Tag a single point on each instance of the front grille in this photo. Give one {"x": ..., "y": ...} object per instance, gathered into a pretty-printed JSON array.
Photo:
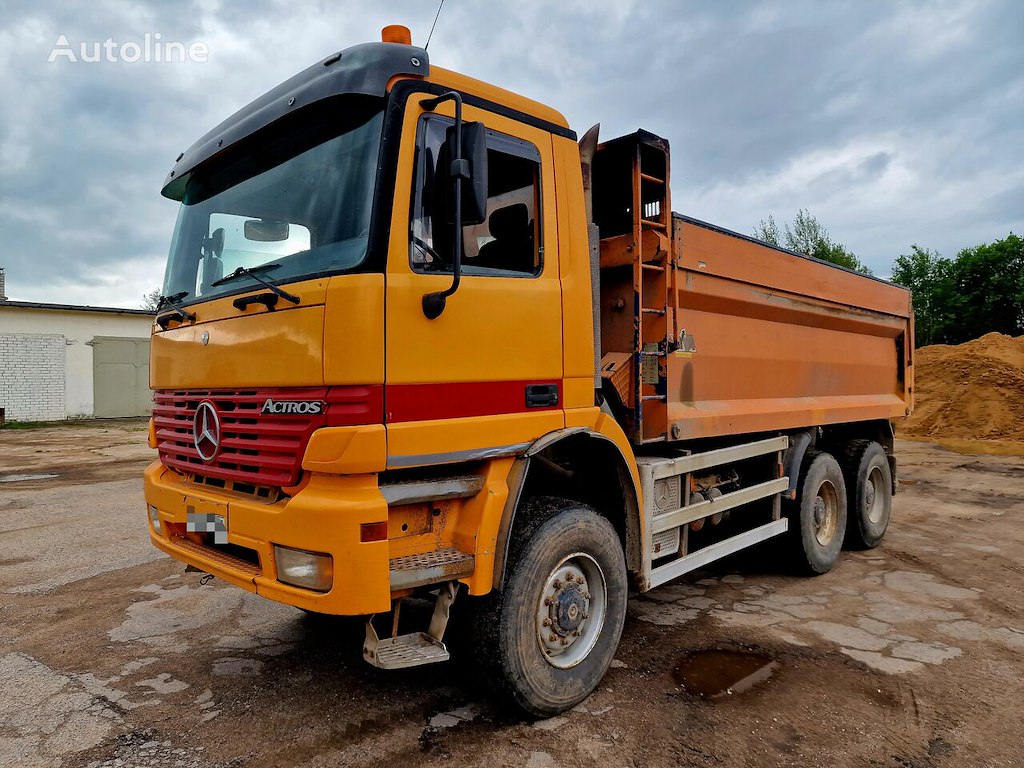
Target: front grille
[
  {"x": 263, "y": 450},
  {"x": 247, "y": 489}
]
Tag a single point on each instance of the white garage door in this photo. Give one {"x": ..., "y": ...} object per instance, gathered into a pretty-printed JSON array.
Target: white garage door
[{"x": 120, "y": 377}]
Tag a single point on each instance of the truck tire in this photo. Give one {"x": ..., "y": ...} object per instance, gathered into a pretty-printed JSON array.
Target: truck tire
[
  {"x": 817, "y": 520},
  {"x": 869, "y": 490},
  {"x": 545, "y": 641}
]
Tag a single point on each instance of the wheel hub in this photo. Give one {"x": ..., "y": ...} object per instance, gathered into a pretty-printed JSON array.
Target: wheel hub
[
  {"x": 874, "y": 496},
  {"x": 826, "y": 514},
  {"x": 569, "y": 610},
  {"x": 569, "y": 617},
  {"x": 819, "y": 511}
]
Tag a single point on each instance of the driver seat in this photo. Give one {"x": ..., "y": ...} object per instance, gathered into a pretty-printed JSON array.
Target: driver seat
[{"x": 512, "y": 247}]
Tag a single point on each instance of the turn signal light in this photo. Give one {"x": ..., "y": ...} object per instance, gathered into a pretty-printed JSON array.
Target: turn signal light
[
  {"x": 396, "y": 33},
  {"x": 373, "y": 531}
]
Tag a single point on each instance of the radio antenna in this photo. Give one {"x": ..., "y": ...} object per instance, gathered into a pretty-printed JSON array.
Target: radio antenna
[{"x": 439, "y": 7}]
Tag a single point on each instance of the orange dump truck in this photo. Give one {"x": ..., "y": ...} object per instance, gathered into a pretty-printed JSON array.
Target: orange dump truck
[{"x": 417, "y": 340}]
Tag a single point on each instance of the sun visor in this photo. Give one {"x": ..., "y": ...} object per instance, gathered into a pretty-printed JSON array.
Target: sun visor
[{"x": 362, "y": 69}]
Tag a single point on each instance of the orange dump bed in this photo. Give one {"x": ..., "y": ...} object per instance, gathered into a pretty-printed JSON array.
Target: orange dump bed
[{"x": 780, "y": 341}]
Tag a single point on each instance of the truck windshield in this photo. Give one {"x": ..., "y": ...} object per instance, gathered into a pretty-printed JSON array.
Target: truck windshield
[{"x": 298, "y": 201}]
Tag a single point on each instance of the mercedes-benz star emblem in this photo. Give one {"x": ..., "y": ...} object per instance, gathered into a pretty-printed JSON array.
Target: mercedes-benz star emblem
[{"x": 206, "y": 431}]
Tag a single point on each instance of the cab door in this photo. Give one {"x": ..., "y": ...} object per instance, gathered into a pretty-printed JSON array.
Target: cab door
[{"x": 485, "y": 378}]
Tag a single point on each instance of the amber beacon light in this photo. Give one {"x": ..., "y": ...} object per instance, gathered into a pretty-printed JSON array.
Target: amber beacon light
[{"x": 396, "y": 33}]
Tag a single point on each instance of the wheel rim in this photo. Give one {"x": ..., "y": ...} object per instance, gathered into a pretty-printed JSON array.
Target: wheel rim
[
  {"x": 571, "y": 610},
  {"x": 874, "y": 496},
  {"x": 826, "y": 514}
]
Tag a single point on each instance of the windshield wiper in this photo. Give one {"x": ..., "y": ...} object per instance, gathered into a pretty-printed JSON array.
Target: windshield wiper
[
  {"x": 172, "y": 302},
  {"x": 243, "y": 272},
  {"x": 253, "y": 273}
]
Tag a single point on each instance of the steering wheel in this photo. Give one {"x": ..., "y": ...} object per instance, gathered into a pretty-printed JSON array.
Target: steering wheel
[{"x": 437, "y": 262}]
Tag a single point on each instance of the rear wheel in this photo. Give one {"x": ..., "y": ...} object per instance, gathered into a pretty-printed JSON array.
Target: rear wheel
[
  {"x": 817, "y": 520},
  {"x": 548, "y": 637},
  {"x": 869, "y": 489}
]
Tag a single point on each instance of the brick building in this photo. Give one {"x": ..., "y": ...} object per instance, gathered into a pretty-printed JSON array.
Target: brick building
[{"x": 60, "y": 361}]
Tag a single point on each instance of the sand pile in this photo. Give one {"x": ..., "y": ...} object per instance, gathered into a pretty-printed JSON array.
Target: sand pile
[{"x": 972, "y": 391}]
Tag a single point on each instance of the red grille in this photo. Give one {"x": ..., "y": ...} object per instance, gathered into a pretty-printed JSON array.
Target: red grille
[{"x": 257, "y": 448}]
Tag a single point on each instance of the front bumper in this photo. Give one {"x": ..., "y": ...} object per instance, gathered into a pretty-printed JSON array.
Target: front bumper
[{"x": 324, "y": 516}]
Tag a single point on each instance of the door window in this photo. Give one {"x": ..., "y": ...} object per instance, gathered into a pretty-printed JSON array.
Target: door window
[{"x": 508, "y": 243}]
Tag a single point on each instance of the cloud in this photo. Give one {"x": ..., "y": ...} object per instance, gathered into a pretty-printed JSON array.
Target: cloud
[{"x": 893, "y": 124}]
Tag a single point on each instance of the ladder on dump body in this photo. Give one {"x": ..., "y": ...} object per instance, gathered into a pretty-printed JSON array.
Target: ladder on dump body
[{"x": 653, "y": 287}]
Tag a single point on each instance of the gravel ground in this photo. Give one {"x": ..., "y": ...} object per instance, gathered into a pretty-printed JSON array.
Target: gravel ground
[{"x": 910, "y": 655}]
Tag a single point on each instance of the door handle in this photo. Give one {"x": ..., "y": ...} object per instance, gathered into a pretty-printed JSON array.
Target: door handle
[{"x": 541, "y": 395}]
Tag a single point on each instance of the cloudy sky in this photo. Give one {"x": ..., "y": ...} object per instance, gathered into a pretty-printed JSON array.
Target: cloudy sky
[{"x": 893, "y": 122}]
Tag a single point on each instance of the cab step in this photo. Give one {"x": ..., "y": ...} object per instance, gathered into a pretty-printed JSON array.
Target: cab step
[
  {"x": 429, "y": 568},
  {"x": 416, "y": 648},
  {"x": 404, "y": 651}
]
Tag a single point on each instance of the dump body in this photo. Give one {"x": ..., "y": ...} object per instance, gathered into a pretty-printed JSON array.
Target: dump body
[
  {"x": 709, "y": 333},
  {"x": 780, "y": 341}
]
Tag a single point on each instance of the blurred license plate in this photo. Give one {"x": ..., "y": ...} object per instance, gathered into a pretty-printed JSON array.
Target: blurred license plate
[{"x": 207, "y": 517}]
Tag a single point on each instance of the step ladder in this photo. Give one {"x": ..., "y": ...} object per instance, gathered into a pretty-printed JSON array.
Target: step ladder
[
  {"x": 416, "y": 648},
  {"x": 653, "y": 286}
]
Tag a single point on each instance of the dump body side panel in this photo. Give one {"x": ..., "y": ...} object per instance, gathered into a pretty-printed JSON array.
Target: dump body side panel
[{"x": 780, "y": 341}]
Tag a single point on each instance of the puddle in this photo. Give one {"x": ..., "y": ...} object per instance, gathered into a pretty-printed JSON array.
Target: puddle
[
  {"x": 22, "y": 478},
  {"x": 713, "y": 674}
]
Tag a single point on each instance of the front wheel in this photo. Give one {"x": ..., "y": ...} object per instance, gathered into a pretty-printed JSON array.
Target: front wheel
[{"x": 548, "y": 637}]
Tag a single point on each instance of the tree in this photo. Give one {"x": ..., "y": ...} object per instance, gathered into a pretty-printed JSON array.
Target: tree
[
  {"x": 978, "y": 292},
  {"x": 808, "y": 236},
  {"x": 990, "y": 287},
  {"x": 769, "y": 232},
  {"x": 930, "y": 279},
  {"x": 151, "y": 299}
]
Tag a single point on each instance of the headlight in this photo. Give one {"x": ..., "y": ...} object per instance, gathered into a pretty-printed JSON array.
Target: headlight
[
  {"x": 310, "y": 570},
  {"x": 154, "y": 517}
]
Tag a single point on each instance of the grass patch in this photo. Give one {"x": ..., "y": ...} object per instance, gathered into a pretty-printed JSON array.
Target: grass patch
[{"x": 27, "y": 424}]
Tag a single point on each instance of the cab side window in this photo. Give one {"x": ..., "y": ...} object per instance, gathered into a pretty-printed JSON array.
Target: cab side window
[{"x": 508, "y": 243}]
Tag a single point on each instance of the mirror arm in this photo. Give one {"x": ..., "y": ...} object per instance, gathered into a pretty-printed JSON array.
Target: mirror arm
[{"x": 433, "y": 303}]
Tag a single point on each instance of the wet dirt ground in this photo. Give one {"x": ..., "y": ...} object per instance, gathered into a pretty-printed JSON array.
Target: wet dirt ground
[{"x": 910, "y": 655}]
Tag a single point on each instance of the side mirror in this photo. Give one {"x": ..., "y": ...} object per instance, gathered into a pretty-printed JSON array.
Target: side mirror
[
  {"x": 211, "y": 264},
  {"x": 474, "y": 188},
  {"x": 213, "y": 270},
  {"x": 214, "y": 244},
  {"x": 466, "y": 145}
]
